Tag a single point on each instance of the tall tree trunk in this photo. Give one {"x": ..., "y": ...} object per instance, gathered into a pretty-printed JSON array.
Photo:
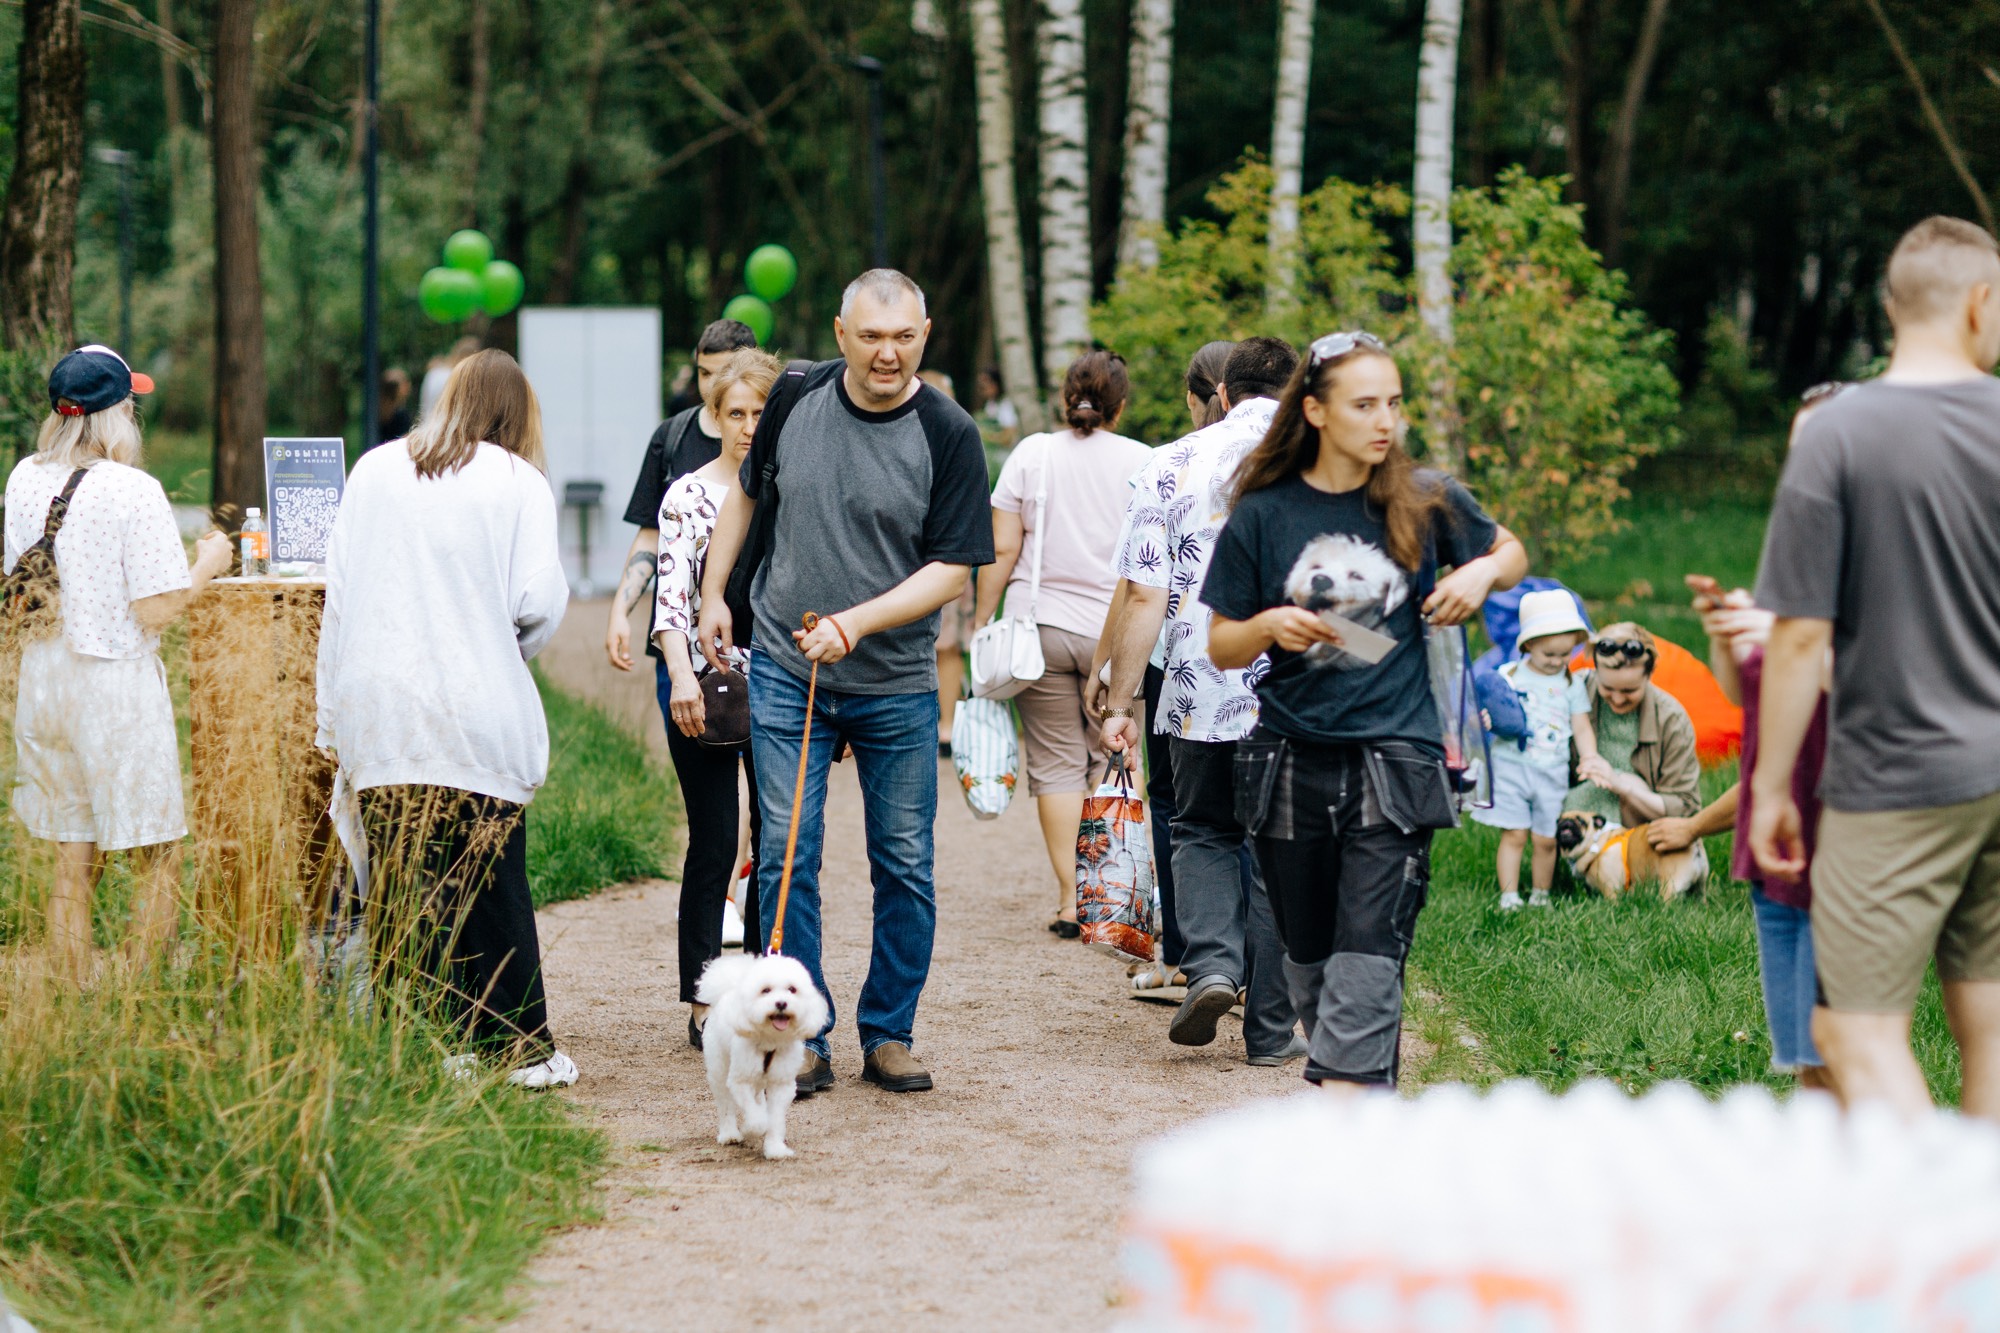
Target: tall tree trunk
[
  {"x": 38, "y": 219},
  {"x": 239, "y": 283},
  {"x": 1288, "y": 151},
  {"x": 1931, "y": 116},
  {"x": 1430, "y": 213},
  {"x": 1486, "y": 33},
  {"x": 170, "y": 71},
  {"x": 1575, "y": 42},
  {"x": 1148, "y": 108},
  {"x": 1005, "y": 283},
  {"x": 1626, "y": 133},
  {"x": 1065, "y": 190},
  {"x": 479, "y": 98},
  {"x": 576, "y": 181}
]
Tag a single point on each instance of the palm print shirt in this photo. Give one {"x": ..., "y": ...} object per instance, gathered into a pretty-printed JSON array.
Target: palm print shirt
[
  {"x": 1179, "y": 502},
  {"x": 687, "y": 517}
]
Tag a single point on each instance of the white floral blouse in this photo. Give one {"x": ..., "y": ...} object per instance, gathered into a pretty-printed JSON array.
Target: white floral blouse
[{"x": 687, "y": 517}]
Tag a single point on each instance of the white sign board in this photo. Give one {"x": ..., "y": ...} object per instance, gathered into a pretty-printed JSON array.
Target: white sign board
[{"x": 596, "y": 370}]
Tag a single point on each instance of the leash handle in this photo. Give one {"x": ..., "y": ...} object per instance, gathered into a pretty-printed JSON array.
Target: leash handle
[{"x": 811, "y": 622}]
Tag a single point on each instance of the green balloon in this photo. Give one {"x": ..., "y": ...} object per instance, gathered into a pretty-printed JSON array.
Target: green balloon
[
  {"x": 500, "y": 288},
  {"x": 771, "y": 272},
  {"x": 448, "y": 295},
  {"x": 754, "y": 311},
  {"x": 469, "y": 251}
]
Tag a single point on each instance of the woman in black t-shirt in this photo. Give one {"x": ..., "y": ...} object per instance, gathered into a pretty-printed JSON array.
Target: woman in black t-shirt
[{"x": 1329, "y": 564}]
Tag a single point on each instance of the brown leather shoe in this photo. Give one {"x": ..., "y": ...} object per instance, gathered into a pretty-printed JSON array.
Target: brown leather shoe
[
  {"x": 895, "y": 1069},
  {"x": 817, "y": 1076}
]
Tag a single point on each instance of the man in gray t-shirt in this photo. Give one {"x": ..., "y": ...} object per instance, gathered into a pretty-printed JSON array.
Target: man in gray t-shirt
[
  {"x": 1883, "y": 547},
  {"x": 880, "y": 483}
]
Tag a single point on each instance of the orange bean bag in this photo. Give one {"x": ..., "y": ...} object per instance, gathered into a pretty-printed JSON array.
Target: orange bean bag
[{"x": 1718, "y": 723}]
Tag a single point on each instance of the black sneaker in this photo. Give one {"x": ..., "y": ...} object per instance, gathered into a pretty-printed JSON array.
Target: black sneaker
[
  {"x": 817, "y": 1076},
  {"x": 1207, "y": 1001}
]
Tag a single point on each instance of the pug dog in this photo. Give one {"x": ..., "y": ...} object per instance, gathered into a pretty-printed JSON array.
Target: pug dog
[{"x": 1612, "y": 858}]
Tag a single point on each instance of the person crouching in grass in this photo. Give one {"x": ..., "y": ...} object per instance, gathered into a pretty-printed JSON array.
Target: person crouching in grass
[
  {"x": 99, "y": 760},
  {"x": 1530, "y": 781}
]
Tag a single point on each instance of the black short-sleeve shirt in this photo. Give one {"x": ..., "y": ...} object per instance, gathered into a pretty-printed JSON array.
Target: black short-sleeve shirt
[{"x": 1292, "y": 544}]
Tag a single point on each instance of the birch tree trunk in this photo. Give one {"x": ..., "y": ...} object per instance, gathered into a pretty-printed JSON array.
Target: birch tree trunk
[
  {"x": 239, "y": 282},
  {"x": 1430, "y": 213},
  {"x": 38, "y": 220},
  {"x": 1148, "y": 109},
  {"x": 1065, "y": 190},
  {"x": 1288, "y": 151},
  {"x": 1005, "y": 281}
]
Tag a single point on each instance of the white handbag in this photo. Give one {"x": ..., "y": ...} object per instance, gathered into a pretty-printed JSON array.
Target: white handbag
[
  {"x": 985, "y": 755},
  {"x": 1007, "y": 654}
]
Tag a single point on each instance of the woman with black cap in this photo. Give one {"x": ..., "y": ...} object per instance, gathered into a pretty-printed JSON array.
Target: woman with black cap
[{"x": 96, "y": 570}]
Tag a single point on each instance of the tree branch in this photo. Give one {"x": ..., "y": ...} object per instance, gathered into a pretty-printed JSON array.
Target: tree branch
[{"x": 1931, "y": 116}]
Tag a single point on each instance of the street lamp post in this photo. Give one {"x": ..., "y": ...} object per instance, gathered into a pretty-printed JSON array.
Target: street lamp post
[
  {"x": 122, "y": 160},
  {"x": 371, "y": 333},
  {"x": 878, "y": 179}
]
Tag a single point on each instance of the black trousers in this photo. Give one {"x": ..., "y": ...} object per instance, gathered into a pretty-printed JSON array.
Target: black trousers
[
  {"x": 1160, "y": 797},
  {"x": 1343, "y": 833},
  {"x": 708, "y": 792},
  {"x": 449, "y": 914}
]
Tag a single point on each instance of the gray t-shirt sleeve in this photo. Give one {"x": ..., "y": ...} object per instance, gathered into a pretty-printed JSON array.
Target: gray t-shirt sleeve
[{"x": 1805, "y": 545}]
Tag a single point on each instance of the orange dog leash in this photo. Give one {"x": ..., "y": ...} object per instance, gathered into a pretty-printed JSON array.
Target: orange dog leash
[{"x": 811, "y": 622}]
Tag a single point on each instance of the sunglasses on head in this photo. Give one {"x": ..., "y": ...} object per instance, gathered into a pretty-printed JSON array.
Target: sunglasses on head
[
  {"x": 1332, "y": 345},
  {"x": 1626, "y": 650}
]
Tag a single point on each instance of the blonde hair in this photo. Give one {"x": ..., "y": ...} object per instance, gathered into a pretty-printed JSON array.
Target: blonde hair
[
  {"x": 1936, "y": 264},
  {"x": 74, "y": 442},
  {"x": 747, "y": 365},
  {"x": 487, "y": 400}
]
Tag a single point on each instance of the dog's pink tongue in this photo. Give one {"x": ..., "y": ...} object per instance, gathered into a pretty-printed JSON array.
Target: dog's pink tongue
[{"x": 781, "y": 1021}]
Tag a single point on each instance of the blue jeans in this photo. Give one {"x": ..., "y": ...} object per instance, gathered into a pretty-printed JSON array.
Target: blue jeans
[
  {"x": 1791, "y": 983},
  {"x": 894, "y": 740}
]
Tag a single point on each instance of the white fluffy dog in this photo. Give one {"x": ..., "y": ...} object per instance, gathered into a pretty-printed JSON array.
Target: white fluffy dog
[
  {"x": 761, "y": 1011},
  {"x": 1348, "y": 577}
]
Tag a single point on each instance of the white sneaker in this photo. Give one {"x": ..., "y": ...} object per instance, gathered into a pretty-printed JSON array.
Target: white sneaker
[
  {"x": 558, "y": 1071},
  {"x": 1510, "y": 902},
  {"x": 461, "y": 1067},
  {"x": 1538, "y": 898},
  {"x": 732, "y": 925}
]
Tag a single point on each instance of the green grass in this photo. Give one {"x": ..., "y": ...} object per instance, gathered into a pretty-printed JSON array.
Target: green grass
[
  {"x": 1638, "y": 991},
  {"x": 608, "y": 814},
  {"x": 183, "y": 462}
]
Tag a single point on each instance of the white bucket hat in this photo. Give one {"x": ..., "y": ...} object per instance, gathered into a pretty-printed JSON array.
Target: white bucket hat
[{"x": 1550, "y": 611}]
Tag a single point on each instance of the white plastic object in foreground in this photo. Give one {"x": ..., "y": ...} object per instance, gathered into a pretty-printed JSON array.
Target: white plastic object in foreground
[{"x": 1588, "y": 1213}]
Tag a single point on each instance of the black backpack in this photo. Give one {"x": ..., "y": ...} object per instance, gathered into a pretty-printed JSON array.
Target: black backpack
[
  {"x": 30, "y": 590},
  {"x": 757, "y": 541}
]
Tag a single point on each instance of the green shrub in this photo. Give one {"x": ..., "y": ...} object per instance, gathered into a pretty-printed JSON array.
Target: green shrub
[
  {"x": 608, "y": 812},
  {"x": 1561, "y": 387}
]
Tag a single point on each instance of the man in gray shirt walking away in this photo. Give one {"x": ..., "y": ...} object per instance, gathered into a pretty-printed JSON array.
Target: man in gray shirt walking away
[
  {"x": 881, "y": 483},
  {"x": 1882, "y": 546}
]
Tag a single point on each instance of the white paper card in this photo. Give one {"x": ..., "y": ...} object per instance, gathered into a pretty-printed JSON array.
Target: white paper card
[{"x": 1364, "y": 643}]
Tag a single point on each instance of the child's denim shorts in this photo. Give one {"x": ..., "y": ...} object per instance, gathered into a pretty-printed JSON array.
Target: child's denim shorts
[
  {"x": 1785, "y": 952},
  {"x": 1525, "y": 795}
]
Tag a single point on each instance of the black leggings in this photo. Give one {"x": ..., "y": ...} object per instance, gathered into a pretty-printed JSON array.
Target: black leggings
[
  {"x": 708, "y": 791},
  {"x": 448, "y": 909}
]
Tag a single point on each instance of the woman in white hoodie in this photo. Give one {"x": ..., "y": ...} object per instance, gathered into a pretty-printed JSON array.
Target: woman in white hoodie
[{"x": 443, "y": 579}]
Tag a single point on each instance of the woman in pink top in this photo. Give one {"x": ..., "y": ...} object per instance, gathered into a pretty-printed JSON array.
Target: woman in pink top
[{"x": 1057, "y": 507}]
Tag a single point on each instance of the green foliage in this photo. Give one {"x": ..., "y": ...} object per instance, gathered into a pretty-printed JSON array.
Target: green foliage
[
  {"x": 1561, "y": 387},
  {"x": 1733, "y": 421},
  {"x": 1210, "y": 284},
  {"x": 608, "y": 813},
  {"x": 226, "y": 1149},
  {"x": 24, "y": 398}
]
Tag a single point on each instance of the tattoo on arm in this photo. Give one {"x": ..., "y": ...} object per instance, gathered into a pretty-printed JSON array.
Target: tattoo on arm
[{"x": 640, "y": 571}]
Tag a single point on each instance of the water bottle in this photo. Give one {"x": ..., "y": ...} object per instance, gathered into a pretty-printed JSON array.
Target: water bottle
[{"x": 256, "y": 544}]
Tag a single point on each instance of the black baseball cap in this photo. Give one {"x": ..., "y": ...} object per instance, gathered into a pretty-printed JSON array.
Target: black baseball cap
[{"x": 91, "y": 379}]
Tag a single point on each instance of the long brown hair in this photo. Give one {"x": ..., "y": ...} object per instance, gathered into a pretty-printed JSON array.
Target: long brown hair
[
  {"x": 1409, "y": 501},
  {"x": 487, "y": 399}
]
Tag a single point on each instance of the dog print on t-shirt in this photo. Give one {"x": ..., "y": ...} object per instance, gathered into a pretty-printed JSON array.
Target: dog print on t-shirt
[{"x": 1349, "y": 577}]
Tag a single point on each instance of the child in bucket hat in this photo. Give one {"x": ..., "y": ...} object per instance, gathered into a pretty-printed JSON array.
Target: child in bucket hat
[{"x": 1529, "y": 782}]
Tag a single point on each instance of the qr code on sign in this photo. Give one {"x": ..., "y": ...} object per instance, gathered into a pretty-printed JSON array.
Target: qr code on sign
[{"x": 302, "y": 520}]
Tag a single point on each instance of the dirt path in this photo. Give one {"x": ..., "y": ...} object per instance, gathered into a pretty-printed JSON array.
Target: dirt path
[{"x": 993, "y": 1201}]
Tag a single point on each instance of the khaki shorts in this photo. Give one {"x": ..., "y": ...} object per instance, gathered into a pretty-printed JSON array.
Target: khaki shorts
[
  {"x": 1058, "y": 737},
  {"x": 1893, "y": 887}
]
